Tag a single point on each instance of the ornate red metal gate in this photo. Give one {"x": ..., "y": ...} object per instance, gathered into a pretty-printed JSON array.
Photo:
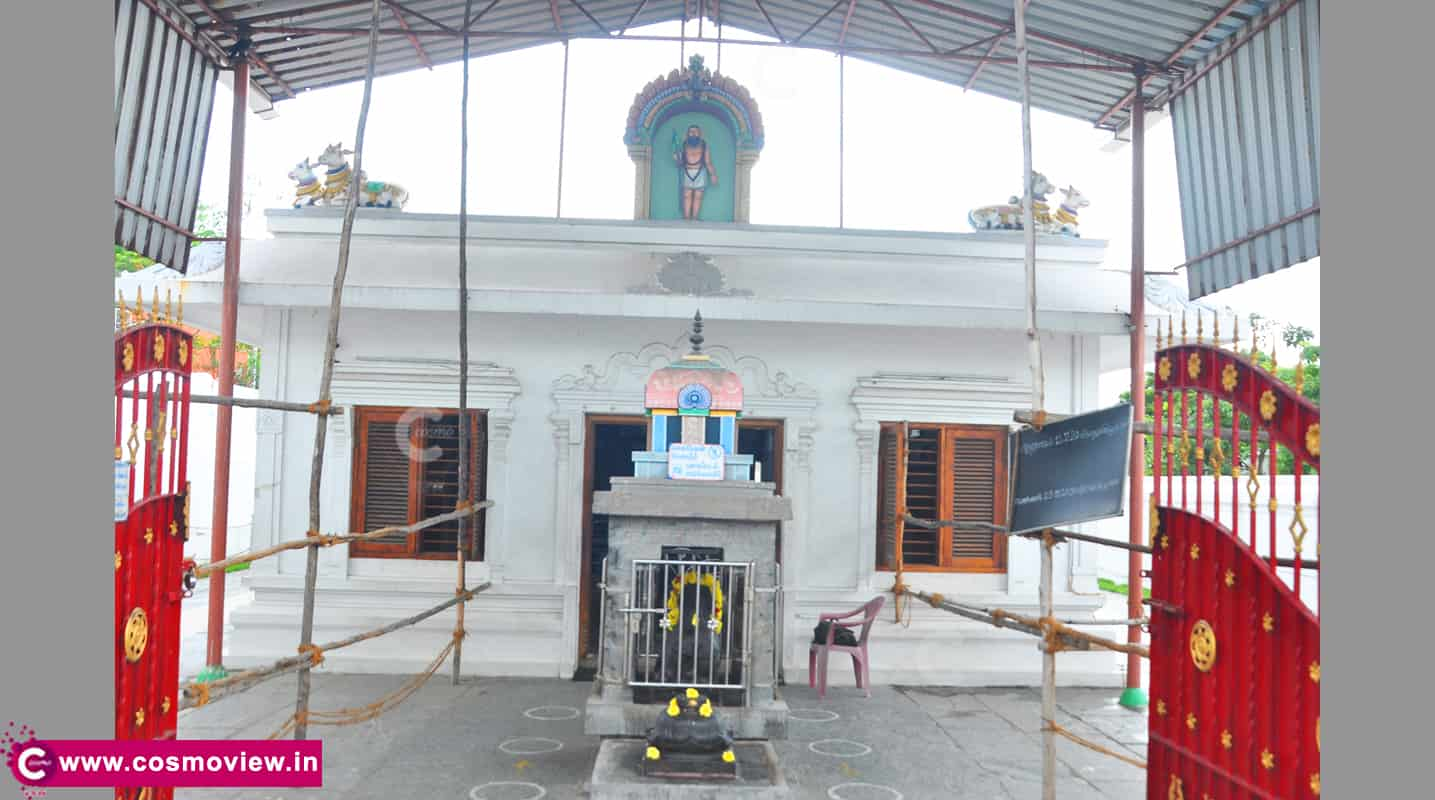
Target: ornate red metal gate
[
  {"x": 152, "y": 370},
  {"x": 1235, "y": 651}
]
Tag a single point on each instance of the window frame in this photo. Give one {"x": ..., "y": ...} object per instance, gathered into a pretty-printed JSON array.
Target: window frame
[
  {"x": 949, "y": 432},
  {"x": 358, "y": 483}
]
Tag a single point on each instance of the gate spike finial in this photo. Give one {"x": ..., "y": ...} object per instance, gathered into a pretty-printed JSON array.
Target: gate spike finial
[
  {"x": 1274, "y": 345},
  {"x": 124, "y": 311},
  {"x": 1236, "y": 332},
  {"x": 1216, "y": 329},
  {"x": 179, "y": 315},
  {"x": 168, "y": 305},
  {"x": 1300, "y": 377},
  {"x": 1183, "y": 326},
  {"x": 154, "y": 306},
  {"x": 1200, "y": 335},
  {"x": 1158, "y": 335}
]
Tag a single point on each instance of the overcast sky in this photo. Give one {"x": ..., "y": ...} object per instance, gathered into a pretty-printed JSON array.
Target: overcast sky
[{"x": 918, "y": 153}]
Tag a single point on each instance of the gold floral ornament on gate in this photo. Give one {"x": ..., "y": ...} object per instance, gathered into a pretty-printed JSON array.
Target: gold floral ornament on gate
[
  {"x": 1193, "y": 366},
  {"x": 1228, "y": 378},
  {"x": 1175, "y": 792},
  {"x": 136, "y": 635},
  {"x": 183, "y": 352},
  {"x": 128, "y": 358},
  {"x": 1164, "y": 368},
  {"x": 1312, "y": 439},
  {"x": 1268, "y": 405},
  {"x": 1203, "y": 645},
  {"x": 158, "y": 347}
]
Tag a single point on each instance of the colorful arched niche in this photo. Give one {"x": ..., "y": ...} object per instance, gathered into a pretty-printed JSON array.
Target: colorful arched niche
[{"x": 730, "y": 132}]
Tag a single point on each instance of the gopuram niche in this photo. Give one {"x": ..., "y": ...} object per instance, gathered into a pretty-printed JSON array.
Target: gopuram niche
[
  {"x": 686, "y": 683},
  {"x": 694, "y": 137}
]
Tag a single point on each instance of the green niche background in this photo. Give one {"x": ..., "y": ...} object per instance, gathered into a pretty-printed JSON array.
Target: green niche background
[{"x": 665, "y": 201}]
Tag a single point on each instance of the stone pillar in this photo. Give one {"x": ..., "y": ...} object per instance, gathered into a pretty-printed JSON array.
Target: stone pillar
[
  {"x": 742, "y": 186},
  {"x": 642, "y": 156}
]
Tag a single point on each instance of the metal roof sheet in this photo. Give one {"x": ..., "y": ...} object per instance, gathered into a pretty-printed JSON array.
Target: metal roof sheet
[{"x": 302, "y": 45}]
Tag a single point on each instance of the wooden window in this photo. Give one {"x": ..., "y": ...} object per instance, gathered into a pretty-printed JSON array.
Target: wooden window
[
  {"x": 953, "y": 472},
  {"x": 406, "y": 470}
]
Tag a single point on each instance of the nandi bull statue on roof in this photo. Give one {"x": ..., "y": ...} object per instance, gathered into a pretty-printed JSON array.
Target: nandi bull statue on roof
[
  {"x": 334, "y": 191},
  {"x": 1008, "y": 216}
]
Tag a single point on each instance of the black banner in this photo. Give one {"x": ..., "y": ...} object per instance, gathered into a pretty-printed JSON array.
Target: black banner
[{"x": 1071, "y": 471}]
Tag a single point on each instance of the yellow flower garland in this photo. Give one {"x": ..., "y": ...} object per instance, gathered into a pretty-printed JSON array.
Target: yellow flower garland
[{"x": 711, "y": 584}]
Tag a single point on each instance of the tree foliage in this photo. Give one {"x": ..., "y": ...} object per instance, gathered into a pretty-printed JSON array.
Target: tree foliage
[{"x": 1214, "y": 410}]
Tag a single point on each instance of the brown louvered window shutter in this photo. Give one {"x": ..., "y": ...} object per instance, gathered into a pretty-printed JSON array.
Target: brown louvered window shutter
[
  {"x": 922, "y": 547},
  {"x": 975, "y": 495},
  {"x": 406, "y": 471},
  {"x": 439, "y": 489},
  {"x": 954, "y": 472},
  {"x": 382, "y": 495}
]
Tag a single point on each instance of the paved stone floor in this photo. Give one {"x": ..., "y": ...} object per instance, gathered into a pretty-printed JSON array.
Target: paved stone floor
[{"x": 488, "y": 739}]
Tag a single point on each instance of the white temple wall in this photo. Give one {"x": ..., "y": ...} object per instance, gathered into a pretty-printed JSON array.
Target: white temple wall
[{"x": 548, "y": 372}]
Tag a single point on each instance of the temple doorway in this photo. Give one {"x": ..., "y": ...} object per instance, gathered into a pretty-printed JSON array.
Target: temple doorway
[{"x": 611, "y": 441}]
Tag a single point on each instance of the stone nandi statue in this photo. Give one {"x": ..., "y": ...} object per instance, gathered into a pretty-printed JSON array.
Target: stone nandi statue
[
  {"x": 309, "y": 190},
  {"x": 339, "y": 174},
  {"x": 1065, "y": 216},
  {"x": 1008, "y": 216}
]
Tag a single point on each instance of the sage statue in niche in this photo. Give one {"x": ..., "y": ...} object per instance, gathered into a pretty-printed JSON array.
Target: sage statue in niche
[{"x": 695, "y": 171}]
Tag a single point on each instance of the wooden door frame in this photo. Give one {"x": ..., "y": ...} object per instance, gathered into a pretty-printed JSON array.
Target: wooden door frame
[{"x": 585, "y": 581}]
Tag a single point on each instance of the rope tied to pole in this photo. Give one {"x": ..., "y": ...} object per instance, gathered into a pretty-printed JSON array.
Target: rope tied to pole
[
  {"x": 936, "y": 599},
  {"x": 1063, "y": 732},
  {"x": 364, "y": 713},
  {"x": 321, "y": 407},
  {"x": 314, "y": 652}
]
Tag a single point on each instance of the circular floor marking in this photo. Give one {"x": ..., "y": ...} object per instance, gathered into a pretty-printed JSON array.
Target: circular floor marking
[
  {"x": 551, "y": 713},
  {"x": 476, "y": 793},
  {"x": 813, "y": 715},
  {"x": 844, "y": 748},
  {"x": 530, "y": 746},
  {"x": 838, "y": 792}
]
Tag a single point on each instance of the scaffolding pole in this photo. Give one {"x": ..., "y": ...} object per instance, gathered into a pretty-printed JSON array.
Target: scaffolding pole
[
  {"x": 321, "y": 426},
  {"x": 464, "y": 428}
]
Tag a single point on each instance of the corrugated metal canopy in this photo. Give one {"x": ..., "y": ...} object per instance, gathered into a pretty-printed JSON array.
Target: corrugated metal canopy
[{"x": 1083, "y": 52}]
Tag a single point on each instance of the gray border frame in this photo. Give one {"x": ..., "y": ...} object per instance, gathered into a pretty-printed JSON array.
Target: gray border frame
[
  {"x": 57, "y": 572},
  {"x": 57, "y": 672}
]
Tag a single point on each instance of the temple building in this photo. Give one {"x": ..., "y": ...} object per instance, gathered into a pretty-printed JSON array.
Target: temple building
[{"x": 835, "y": 337}]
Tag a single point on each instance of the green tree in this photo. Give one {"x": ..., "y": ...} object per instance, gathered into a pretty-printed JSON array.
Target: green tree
[{"x": 1214, "y": 410}]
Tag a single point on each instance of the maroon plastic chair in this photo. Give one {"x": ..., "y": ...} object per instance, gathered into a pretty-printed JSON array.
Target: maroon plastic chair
[{"x": 817, "y": 669}]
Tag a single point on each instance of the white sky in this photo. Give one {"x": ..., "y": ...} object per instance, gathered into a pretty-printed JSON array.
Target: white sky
[{"x": 918, "y": 153}]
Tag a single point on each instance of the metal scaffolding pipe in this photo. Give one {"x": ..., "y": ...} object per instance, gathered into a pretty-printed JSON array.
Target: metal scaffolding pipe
[
  {"x": 1136, "y": 481},
  {"x": 228, "y": 333}
]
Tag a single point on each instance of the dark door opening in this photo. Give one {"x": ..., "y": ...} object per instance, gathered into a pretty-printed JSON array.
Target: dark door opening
[
  {"x": 611, "y": 441},
  {"x": 762, "y": 439}
]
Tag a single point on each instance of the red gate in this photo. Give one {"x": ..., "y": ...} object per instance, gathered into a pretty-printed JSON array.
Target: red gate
[
  {"x": 152, "y": 369},
  {"x": 1235, "y": 650}
]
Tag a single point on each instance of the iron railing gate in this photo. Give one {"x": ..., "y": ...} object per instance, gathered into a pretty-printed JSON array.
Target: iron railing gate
[{"x": 689, "y": 625}]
